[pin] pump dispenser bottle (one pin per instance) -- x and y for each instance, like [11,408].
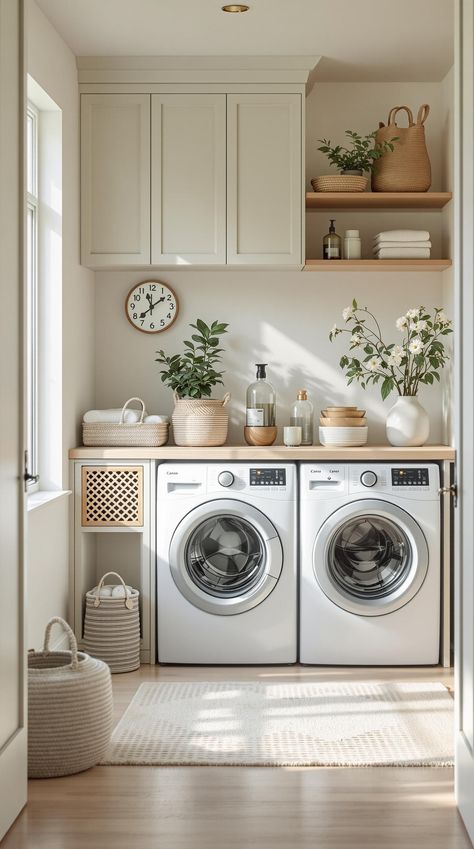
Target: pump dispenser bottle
[261,401]
[332,243]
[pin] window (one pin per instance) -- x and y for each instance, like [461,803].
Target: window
[32,412]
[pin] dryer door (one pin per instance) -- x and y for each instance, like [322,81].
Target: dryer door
[370,557]
[225,557]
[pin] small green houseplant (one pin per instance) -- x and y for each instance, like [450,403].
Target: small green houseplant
[198,419]
[362,154]
[402,368]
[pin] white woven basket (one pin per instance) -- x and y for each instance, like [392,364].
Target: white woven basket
[70,709]
[200,422]
[112,627]
[121,435]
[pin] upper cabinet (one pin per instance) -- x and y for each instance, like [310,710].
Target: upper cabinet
[196,161]
[188,182]
[264,179]
[115,179]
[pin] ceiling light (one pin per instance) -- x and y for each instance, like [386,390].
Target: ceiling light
[235,7]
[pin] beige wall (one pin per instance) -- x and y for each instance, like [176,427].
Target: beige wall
[52,64]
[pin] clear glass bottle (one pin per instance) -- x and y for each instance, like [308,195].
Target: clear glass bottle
[332,243]
[261,401]
[302,415]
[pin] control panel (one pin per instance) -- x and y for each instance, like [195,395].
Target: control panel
[410,476]
[267,477]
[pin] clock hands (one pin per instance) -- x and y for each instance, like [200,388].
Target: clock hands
[152,306]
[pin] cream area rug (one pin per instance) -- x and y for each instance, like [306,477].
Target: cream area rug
[286,724]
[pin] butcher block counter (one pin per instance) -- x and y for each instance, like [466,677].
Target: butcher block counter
[272,453]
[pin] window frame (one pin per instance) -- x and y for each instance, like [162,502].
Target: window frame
[32,299]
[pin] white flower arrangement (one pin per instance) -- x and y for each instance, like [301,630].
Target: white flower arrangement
[404,367]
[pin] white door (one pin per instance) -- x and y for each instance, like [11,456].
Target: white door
[188,166]
[115,179]
[264,179]
[13,756]
[464,356]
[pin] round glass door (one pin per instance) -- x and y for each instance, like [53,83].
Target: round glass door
[371,557]
[225,557]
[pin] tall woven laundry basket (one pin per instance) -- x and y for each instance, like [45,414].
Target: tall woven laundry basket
[70,709]
[112,627]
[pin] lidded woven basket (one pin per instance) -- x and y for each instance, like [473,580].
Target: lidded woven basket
[112,627]
[70,709]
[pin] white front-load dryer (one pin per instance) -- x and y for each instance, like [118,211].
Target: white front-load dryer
[370,564]
[226,563]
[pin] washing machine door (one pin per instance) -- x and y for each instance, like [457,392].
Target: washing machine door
[225,557]
[370,557]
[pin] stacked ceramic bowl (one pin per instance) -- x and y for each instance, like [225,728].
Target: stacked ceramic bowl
[343,427]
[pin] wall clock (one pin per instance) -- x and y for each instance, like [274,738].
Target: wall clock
[151,306]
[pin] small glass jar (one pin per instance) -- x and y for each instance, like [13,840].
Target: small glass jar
[352,245]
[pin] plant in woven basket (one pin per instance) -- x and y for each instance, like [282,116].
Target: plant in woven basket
[361,155]
[193,373]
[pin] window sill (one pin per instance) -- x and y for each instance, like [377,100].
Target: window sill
[35,500]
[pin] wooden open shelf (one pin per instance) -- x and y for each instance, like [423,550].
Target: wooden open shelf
[379,265]
[377,200]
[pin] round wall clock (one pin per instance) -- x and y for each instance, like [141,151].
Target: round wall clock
[151,306]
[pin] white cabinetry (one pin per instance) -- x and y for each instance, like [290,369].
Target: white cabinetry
[264,179]
[188,155]
[115,179]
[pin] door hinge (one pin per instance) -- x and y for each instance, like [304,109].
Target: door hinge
[450,490]
[27,477]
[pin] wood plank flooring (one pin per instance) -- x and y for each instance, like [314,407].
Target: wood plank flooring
[245,807]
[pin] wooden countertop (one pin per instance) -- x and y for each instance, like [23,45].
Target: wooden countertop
[280,453]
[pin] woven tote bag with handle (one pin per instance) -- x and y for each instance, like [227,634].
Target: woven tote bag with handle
[408,167]
[70,709]
[112,627]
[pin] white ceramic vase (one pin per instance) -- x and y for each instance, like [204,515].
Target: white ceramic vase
[407,422]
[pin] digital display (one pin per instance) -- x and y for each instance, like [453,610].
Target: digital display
[410,477]
[267,477]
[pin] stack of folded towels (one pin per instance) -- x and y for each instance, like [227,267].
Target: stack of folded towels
[130,417]
[402,244]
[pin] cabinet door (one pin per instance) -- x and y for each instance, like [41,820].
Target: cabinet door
[188,179]
[264,179]
[115,179]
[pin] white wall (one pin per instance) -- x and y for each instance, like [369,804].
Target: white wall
[282,318]
[52,64]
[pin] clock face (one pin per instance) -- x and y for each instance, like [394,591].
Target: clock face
[151,306]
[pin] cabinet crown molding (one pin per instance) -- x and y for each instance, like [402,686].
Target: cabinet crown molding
[195,69]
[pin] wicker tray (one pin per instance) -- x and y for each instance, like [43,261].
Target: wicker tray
[121,435]
[339,183]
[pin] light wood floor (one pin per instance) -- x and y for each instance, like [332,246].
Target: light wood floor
[244,807]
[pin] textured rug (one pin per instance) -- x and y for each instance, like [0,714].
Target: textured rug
[289,724]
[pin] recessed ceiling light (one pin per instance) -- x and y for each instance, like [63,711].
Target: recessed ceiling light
[235,7]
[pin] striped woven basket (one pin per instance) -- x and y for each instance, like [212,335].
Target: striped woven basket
[200,422]
[70,709]
[112,627]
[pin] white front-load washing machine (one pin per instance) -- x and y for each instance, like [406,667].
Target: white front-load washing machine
[226,563]
[370,564]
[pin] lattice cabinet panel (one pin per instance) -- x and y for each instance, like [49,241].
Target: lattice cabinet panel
[111,496]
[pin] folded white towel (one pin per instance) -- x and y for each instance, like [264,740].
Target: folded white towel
[402,236]
[156,419]
[378,245]
[130,416]
[119,592]
[402,253]
[111,591]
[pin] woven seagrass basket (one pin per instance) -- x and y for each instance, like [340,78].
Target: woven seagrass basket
[200,422]
[408,167]
[339,183]
[138,435]
[112,627]
[70,709]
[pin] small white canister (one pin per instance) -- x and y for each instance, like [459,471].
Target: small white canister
[352,245]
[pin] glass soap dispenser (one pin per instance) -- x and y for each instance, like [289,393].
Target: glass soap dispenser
[261,400]
[302,416]
[332,243]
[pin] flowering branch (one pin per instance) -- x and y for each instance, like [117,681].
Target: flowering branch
[418,359]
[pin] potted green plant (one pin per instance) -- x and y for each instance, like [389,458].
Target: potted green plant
[353,162]
[197,418]
[403,368]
